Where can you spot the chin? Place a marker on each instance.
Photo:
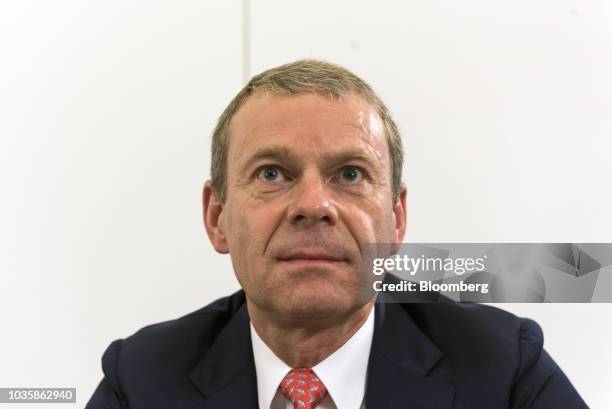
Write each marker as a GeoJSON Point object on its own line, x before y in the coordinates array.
{"type": "Point", "coordinates": [320, 310]}
{"type": "Point", "coordinates": [319, 302]}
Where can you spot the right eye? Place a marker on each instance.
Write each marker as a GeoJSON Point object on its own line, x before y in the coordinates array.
{"type": "Point", "coordinates": [270, 174]}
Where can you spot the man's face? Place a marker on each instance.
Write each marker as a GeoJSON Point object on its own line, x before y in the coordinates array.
{"type": "Point", "coordinates": [308, 180]}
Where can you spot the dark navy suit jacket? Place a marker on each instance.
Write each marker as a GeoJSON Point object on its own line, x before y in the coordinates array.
{"type": "Point", "coordinates": [423, 356]}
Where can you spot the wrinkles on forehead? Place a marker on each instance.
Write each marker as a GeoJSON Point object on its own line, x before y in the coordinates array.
{"type": "Point", "coordinates": [307, 124]}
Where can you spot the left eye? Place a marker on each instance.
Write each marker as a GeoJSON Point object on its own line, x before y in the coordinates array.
{"type": "Point", "coordinates": [351, 175]}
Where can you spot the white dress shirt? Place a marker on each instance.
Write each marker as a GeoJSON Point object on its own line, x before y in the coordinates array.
{"type": "Point", "coordinates": [343, 372]}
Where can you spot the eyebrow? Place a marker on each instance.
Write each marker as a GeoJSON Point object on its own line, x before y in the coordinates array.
{"type": "Point", "coordinates": [347, 156]}
{"type": "Point", "coordinates": [273, 152]}
{"type": "Point", "coordinates": [282, 153]}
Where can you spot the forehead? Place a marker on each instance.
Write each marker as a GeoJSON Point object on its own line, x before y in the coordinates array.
{"type": "Point", "coordinates": [310, 122]}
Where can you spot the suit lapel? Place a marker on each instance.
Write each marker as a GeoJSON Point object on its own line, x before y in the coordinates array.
{"type": "Point", "coordinates": [400, 359]}
{"type": "Point", "coordinates": [226, 374]}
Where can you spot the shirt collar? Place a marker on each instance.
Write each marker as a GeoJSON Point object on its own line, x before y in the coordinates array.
{"type": "Point", "coordinates": [343, 372]}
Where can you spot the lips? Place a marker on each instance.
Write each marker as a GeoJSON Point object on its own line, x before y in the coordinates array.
{"type": "Point", "coordinates": [310, 257]}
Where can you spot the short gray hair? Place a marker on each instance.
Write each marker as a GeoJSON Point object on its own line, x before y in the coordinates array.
{"type": "Point", "coordinates": [304, 77]}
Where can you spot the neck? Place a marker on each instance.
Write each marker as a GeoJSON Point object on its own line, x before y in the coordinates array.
{"type": "Point", "coordinates": [305, 343]}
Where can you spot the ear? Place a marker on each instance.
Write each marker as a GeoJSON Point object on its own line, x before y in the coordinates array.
{"type": "Point", "coordinates": [212, 212]}
{"type": "Point", "coordinates": [399, 210]}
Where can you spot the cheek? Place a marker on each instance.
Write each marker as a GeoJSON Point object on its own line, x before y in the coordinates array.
{"type": "Point", "coordinates": [249, 229]}
{"type": "Point", "coordinates": [371, 221]}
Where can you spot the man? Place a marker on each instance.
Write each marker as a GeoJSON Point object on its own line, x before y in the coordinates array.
{"type": "Point", "coordinates": [306, 167]}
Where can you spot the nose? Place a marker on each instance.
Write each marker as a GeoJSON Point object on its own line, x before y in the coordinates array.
{"type": "Point", "coordinates": [311, 202]}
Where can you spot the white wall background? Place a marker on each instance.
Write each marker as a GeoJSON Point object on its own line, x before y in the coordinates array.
{"type": "Point", "coordinates": [106, 110]}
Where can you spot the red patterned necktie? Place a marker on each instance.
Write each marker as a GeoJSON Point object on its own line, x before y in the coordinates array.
{"type": "Point", "coordinates": [303, 388]}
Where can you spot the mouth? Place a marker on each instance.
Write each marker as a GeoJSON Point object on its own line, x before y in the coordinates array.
{"type": "Point", "coordinates": [311, 259]}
